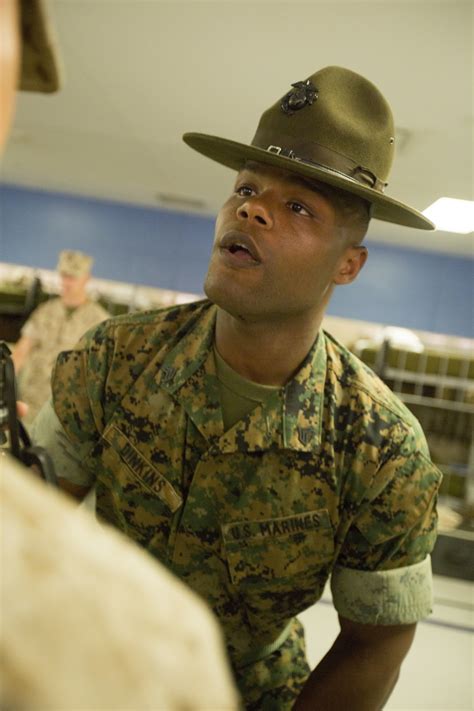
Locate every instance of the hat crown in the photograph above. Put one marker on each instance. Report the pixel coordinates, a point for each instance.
(345, 123)
(74, 263)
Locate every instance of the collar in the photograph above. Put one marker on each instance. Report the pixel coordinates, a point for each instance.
(291, 419)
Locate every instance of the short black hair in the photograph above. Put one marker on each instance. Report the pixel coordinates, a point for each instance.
(353, 211)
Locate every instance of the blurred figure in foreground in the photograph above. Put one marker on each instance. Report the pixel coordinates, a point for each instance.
(54, 326)
(88, 620)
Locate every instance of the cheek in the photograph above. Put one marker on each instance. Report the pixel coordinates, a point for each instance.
(225, 214)
(313, 263)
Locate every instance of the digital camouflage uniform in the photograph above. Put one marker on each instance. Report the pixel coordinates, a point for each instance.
(53, 328)
(331, 475)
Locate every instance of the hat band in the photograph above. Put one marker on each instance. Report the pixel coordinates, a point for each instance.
(320, 157)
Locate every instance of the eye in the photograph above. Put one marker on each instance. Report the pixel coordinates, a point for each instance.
(299, 208)
(244, 190)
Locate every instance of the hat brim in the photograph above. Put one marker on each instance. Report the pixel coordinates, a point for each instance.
(40, 68)
(234, 155)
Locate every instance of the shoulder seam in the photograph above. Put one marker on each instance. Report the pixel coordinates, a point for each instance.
(374, 398)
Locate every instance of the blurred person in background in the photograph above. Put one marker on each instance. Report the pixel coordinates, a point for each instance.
(53, 327)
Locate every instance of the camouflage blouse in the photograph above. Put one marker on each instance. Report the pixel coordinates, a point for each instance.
(330, 476)
(52, 328)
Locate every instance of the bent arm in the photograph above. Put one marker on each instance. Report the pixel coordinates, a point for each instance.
(360, 670)
(381, 585)
(21, 352)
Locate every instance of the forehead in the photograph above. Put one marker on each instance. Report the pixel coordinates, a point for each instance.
(288, 177)
(71, 277)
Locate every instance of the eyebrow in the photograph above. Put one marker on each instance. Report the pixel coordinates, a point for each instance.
(309, 185)
(294, 179)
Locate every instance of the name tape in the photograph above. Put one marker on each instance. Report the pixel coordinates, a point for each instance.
(300, 523)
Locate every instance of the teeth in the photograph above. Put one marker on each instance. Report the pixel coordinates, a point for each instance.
(237, 246)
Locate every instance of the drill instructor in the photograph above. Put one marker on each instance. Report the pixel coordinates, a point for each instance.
(242, 445)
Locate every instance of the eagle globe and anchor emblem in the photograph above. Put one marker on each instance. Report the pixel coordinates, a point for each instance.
(303, 93)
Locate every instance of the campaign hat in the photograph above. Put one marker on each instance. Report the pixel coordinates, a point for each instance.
(335, 127)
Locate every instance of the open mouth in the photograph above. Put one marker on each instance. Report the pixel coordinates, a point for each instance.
(241, 247)
(235, 248)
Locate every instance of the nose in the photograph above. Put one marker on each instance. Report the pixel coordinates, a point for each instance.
(255, 209)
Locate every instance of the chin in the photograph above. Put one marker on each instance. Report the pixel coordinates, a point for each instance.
(224, 296)
(216, 292)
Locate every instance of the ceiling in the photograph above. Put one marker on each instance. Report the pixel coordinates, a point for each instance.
(140, 73)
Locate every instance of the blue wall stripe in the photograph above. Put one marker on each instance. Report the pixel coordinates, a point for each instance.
(429, 291)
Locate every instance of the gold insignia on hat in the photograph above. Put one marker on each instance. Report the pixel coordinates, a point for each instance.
(304, 93)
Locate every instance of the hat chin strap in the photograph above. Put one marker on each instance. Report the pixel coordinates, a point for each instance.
(322, 157)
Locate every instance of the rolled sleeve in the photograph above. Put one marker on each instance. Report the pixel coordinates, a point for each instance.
(384, 597)
(382, 575)
(398, 527)
(68, 458)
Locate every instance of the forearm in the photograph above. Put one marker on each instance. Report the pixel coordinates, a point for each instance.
(353, 675)
(20, 352)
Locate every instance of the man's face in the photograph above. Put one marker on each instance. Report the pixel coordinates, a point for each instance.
(278, 248)
(9, 64)
(73, 288)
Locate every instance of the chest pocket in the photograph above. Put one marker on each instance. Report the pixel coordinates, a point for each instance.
(134, 494)
(279, 565)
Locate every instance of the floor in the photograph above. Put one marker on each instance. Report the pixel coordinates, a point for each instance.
(438, 672)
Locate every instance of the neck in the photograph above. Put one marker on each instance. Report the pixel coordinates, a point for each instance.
(265, 352)
(73, 303)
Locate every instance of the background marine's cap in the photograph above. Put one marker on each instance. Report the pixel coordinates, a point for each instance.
(335, 127)
(74, 264)
(39, 56)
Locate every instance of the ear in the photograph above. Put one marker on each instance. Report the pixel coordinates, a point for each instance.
(350, 265)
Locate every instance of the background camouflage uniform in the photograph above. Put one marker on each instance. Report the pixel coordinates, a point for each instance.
(332, 470)
(53, 328)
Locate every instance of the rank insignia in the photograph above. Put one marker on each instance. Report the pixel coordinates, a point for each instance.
(304, 93)
(305, 435)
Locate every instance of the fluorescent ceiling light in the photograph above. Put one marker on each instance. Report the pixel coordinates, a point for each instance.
(452, 215)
